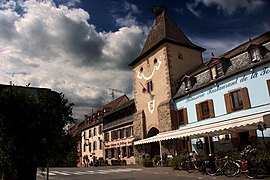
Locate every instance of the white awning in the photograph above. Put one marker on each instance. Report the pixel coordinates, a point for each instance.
(244, 123)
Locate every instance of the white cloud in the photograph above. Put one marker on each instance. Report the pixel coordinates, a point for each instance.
(56, 47)
(227, 7)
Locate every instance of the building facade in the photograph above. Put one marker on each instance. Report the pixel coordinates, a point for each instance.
(118, 134)
(223, 104)
(92, 138)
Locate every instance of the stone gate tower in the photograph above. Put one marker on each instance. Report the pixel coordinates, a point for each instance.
(166, 56)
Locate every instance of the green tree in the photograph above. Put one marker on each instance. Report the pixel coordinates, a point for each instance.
(31, 129)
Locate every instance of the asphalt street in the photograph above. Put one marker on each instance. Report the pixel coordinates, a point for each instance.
(127, 173)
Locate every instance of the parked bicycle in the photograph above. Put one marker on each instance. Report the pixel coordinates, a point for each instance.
(191, 164)
(248, 167)
(226, 166)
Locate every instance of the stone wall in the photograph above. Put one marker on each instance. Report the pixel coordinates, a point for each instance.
(139, 125)
(165, 116)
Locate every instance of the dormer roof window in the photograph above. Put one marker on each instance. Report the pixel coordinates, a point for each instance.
(254, 51)
(188, 82)
(216, 67)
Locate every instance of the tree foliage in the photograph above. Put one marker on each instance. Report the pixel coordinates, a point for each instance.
(31, 128)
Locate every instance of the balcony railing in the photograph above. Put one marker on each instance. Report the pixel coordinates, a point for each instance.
(118, 122)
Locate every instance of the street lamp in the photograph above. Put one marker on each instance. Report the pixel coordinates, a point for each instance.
(262, 128)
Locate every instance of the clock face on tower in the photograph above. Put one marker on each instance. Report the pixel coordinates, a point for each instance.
(142, 78)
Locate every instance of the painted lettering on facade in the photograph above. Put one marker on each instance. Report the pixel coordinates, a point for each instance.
(262, 72)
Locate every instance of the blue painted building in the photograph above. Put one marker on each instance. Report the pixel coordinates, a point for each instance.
(224, 103)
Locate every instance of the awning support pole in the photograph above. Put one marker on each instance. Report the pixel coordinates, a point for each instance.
(160, 151)
(209, 144)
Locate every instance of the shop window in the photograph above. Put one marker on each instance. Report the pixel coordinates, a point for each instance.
(106, 153)
(205, 110)
(182, 116)
(130, 151)
(224, 138)
(124, 151)
(237, 100)
(112, 153)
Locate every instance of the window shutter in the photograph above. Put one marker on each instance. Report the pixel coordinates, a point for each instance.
(228, 103)
(268, 85)
(211, 108)
(185, 116)
(245, 98)
(198, 111)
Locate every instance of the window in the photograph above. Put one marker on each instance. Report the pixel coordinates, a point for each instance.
(90, 133)
(94, 132)
(122, 133)
(149, 86)
(114, 135)
(112, 153)
(129, 132)
(130, 151)
(268, 85)
(84, 147)
(255, 54)
(84, 134)
(94, 145)
(106, 153)
(100, 129)
(188, 84)
(216, 71)
(124, 151)
(182, 116)
(180, 56)
(107, 136)
(205, 110)
(90, 147)
(100, 144)
(237, 100)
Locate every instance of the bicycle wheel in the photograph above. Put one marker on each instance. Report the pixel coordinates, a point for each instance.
(211, 169)
(230, 169)
(190, 167)
(252, 171)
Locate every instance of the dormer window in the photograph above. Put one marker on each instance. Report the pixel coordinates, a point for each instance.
(254, 51)
(216, 71)
(255, 54)
(188, 84)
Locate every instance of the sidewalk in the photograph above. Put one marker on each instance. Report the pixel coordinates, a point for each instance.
(199, 175)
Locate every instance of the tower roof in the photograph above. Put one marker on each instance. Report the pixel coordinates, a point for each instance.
(163, 30)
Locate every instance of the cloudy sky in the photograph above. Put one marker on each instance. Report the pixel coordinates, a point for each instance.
(83, 47)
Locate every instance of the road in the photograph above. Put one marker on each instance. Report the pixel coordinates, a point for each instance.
(126, 173)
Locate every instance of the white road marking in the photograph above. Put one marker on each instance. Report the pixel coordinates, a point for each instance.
(101, 171)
